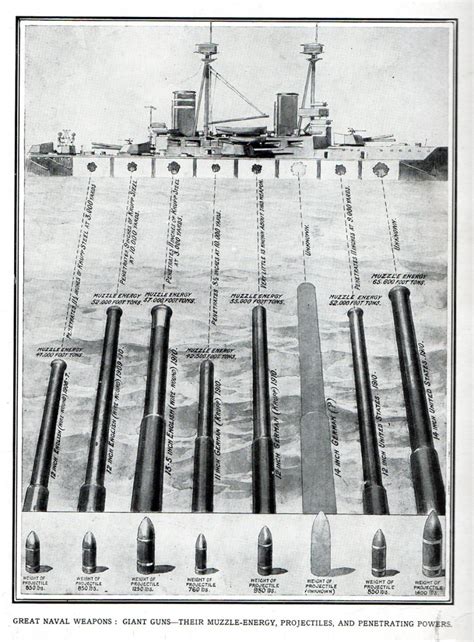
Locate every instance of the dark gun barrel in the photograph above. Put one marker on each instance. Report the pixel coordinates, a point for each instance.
(425, 468)
(148, 483)
(92, 493)
(203, 476)
(374, 497)
(263, 466)
(37, 493)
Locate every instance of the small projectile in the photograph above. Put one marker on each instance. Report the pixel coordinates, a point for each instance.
(201, 555)
(89, 554)
(379, 554)
(32, 553)
(265, 552)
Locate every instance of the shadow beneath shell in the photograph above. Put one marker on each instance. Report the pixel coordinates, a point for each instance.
(163, 568)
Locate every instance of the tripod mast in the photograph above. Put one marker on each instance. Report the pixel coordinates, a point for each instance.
(314, 52)
(207, 50)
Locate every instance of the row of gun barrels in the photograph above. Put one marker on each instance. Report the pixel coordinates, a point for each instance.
(147, 494)
(320, 552)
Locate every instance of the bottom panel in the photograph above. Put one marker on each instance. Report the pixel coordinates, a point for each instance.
(205, 557)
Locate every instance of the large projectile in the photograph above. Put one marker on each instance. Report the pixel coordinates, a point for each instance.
(374, 497)
(432, 546)
(92, 493)
(263, 466)
(316, 453)
(425, 468)
(37, 493)
(148, 482)
(146, 547)
(321, 546)
(203, 476)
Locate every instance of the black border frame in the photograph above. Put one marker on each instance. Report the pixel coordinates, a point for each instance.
(16, 294)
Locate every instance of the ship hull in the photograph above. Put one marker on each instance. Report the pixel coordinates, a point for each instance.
(348, 163)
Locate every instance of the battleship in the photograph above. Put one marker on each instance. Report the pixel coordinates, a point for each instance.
(301, 144)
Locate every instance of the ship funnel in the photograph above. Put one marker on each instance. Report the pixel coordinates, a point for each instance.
(286, 114)
(183, 112)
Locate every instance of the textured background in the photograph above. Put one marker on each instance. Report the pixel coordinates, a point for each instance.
(53, 210)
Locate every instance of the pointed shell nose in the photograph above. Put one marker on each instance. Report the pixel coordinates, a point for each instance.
(146, 530)
(32, 541)
(432, 530)
(89, 541)
(265, 536)
(201, 541)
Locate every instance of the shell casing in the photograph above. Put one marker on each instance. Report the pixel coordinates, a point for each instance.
(89, 561)
(145, 556)
(432, 558)
(200, 559)
(379, 560)
(265, 559)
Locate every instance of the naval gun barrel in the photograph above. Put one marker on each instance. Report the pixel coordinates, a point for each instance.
(37, 493)
(203, 476)
(263, 466)
(316, 451)
(147, 492)
(374, 497)
(92, 493)
(425, 468)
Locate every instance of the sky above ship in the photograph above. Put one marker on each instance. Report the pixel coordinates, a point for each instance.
(96, 78)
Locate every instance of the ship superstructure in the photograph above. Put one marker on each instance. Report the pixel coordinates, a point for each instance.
(302, 131)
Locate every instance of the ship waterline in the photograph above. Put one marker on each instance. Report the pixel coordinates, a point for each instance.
(414, 163)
